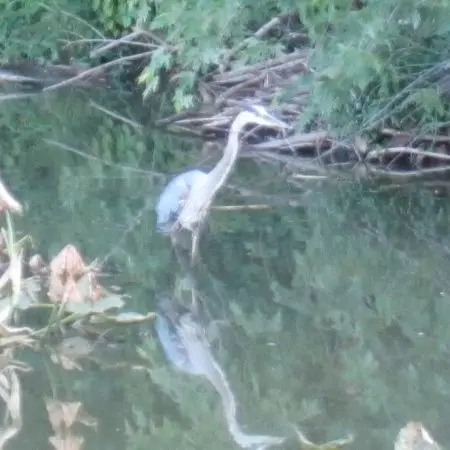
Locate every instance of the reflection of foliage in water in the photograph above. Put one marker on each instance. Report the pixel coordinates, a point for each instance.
(336, 312)
(362, 340)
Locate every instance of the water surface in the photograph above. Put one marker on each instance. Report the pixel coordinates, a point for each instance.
(331, 316)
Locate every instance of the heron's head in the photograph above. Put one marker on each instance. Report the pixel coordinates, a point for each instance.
(260, 115)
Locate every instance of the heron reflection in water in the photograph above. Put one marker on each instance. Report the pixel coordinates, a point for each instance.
(187, 199)
(184, 343)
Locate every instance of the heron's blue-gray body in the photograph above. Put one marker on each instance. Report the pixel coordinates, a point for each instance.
(173, 196)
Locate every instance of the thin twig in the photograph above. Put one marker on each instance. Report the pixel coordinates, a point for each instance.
(102, 161)
(96, 69)
(110, 113)
(297, 141)
(7, 201)
(304, 163)
(297, 55)
(236, 88)
(159, 40)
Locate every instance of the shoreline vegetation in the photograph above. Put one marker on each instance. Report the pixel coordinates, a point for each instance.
(365, 85)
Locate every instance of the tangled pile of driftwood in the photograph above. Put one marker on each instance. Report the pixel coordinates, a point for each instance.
(317, 154)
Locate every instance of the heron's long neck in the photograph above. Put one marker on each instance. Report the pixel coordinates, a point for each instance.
(230, 153)
(206, 365)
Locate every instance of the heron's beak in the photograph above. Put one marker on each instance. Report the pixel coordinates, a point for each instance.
(274, 122)
(281, 124)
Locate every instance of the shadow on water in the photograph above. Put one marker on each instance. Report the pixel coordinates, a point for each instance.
(331, 317)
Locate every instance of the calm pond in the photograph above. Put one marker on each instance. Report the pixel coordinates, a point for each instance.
(331, 316)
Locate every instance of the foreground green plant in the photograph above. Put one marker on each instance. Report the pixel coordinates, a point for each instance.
(397, 52)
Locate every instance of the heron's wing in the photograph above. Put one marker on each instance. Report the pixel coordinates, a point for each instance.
(174, 195)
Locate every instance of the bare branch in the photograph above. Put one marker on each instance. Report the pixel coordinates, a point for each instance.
(96, 69)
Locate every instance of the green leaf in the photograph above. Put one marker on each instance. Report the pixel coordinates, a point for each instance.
(186, 79)
(428, 99)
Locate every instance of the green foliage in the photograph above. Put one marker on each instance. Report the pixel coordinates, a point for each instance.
(332, 316)
(199, 35)
(381, 63)
(315, 351)
(378, 64)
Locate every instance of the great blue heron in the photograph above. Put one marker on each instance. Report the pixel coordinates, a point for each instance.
(185, 345)
(187, 198)
(166, 324)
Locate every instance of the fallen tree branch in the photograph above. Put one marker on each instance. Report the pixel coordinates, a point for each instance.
(94, 70)
(7, 201)
(261, 32)
(235, 89)
(298, 55)
(102, 161)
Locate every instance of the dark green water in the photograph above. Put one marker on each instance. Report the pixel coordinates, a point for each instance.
(332, 316)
